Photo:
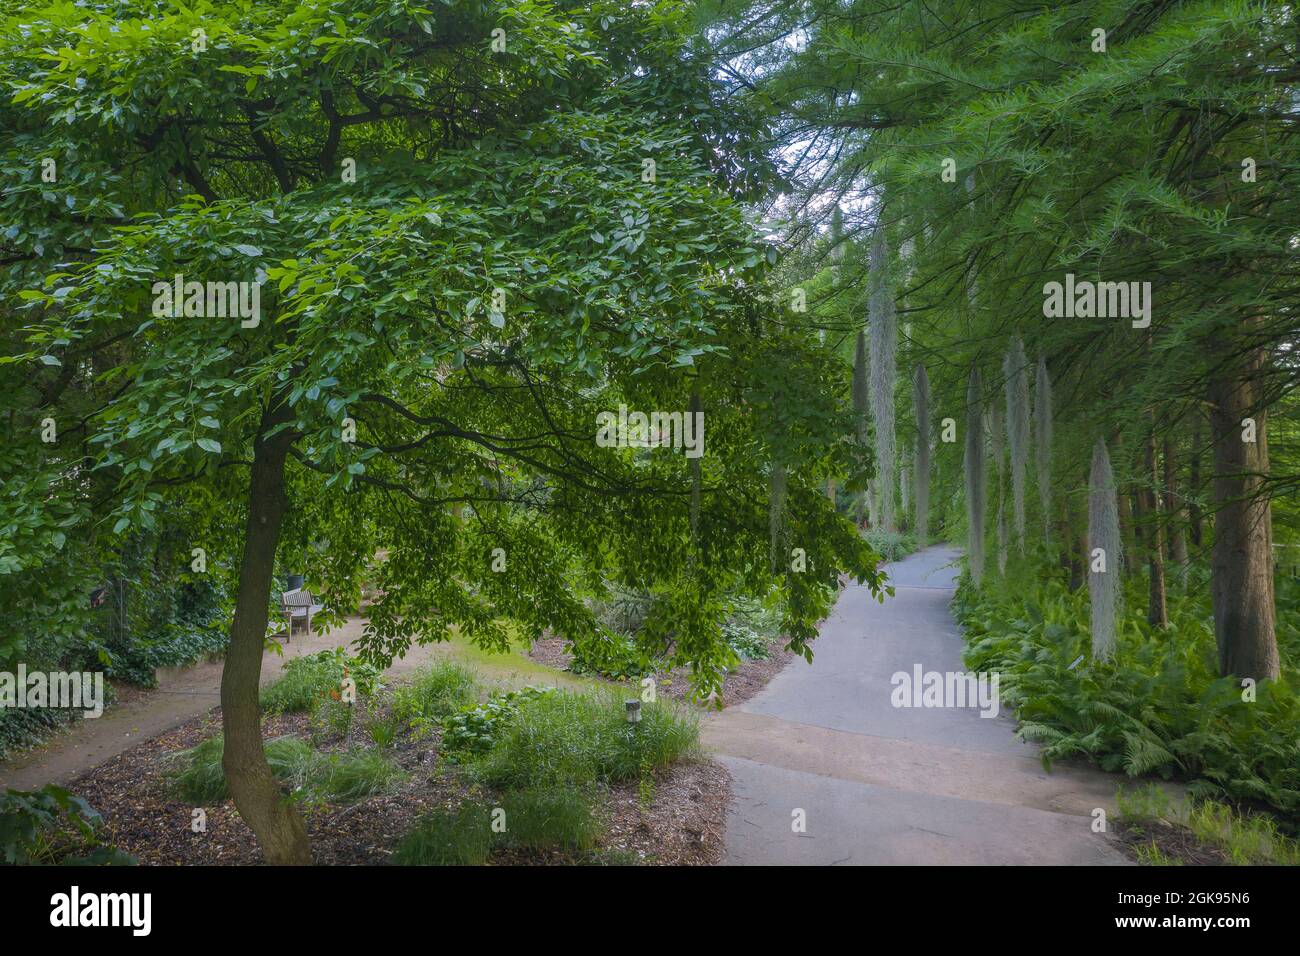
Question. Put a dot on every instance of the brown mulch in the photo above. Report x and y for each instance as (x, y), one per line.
(681, 823)
(737, 687)
(1175, 842)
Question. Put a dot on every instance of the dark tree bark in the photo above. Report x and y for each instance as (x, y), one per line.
(1072, 532)
(1131, 525)
(1176, 514)
(1073, 557)
(1152, 537)
(266, 809)
(1194, 478)
(1242, 558)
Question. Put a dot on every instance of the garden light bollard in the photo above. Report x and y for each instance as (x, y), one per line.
(633, 711)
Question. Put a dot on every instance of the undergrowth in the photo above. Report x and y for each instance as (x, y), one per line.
(1158, 707)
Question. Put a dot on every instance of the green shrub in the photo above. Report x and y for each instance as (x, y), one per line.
(891, 545)
(561, 817)
(331, 719)
(475, 729)
(24, 727)
(748, 627)
(624, 610)
(748, 645)
(447, 838)
(610, 654)
(307, 679)
(436, 692)
(51, 825)
(573, 739)
(763, 618)
(175, 617)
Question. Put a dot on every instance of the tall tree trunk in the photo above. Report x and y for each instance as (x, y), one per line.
(1157, 610)
(1103, 546)
(1242, 558)
(1194, 479)
(976, 484)
(1073, 533)
(1176, 513)
(257, 794)
(1075, 554)
(1130, 532)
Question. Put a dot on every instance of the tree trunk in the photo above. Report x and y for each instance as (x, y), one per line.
(1242, 559)
(266, 809)
(1133, 529)
(1074, 542)
(1157, 610)
(1193, 509)
(1177, 515)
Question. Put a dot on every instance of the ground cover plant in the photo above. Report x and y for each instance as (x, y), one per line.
(1157, 706)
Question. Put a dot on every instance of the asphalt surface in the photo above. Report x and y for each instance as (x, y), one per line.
(828, 770)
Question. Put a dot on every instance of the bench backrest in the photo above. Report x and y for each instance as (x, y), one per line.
(298, 597)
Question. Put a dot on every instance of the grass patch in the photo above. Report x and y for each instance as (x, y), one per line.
(462, 837)
(351, 776)
(569, 739)
(382, 731)
(1245, 839)
(437, 691)
(542, 819)
(341, 777)
(549, 817)
(1150, 854)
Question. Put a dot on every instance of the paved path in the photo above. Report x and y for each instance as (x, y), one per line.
(886, 785)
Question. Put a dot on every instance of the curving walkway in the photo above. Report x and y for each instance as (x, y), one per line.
(879, 784)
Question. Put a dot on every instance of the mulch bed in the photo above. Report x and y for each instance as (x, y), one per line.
(681, 824)
(737, 687)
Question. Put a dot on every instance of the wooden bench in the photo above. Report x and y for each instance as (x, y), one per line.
(298, 605)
